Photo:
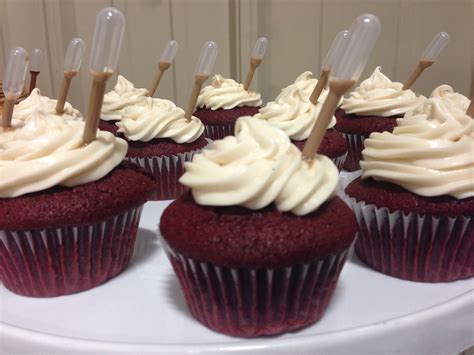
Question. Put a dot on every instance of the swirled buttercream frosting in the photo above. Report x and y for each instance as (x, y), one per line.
(430, 152)
(259, 166)
(226, 94)
(447, 94)
(160, 119)
(292, 111)
(379, 96)
(35, 101)
(122, 96)
(41, 151)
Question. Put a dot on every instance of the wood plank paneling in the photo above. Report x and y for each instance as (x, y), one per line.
(338, 15)
(193, 23)
(419, 21)
(148, 31)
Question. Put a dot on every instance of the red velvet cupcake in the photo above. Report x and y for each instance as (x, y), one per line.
(374, 106)
(415, 202)
(220, 104)
(160, 140)
(263, 242)
(70, 212)
(295, 114)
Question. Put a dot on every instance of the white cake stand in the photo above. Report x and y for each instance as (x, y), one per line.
(142, 310)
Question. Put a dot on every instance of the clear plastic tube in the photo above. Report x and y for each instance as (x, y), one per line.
(352, 56)
(74, 54)
(169, 52)
(260, 48)
(15, 73)
(338, 42)
(35, 60)
(435, 47)
(206, 59)
(107, 40)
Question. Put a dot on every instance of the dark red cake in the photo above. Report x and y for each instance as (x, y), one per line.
(426, 239)
(161, 157)
(220, 123)
(356, 129)
(249, 273)
(65, 240)
(333, 146)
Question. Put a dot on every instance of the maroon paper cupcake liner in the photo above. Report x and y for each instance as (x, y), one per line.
(355, 146)
(167, 170)
(415, 247)
(216, 132)
(60, 261)
(254, 302)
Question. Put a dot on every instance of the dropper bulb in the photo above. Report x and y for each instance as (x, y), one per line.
(206, 58)
(435, 47)
(74, 54)
(15, 73)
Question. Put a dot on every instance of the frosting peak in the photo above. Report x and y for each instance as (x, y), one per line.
(42, 151)
(429, 153)
(122, 96)
(256, 167)
(292, 111)
(160, 119)
(226, 94)
(379, 96)
(447, 94)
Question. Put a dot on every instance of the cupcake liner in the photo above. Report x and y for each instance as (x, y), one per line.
(167, 170)
(415, 247)
(216, 132)
(355, 145)
(59, 261)
(339, 161)
(254, 302)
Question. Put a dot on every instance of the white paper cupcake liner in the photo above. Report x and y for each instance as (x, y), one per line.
(59, 261)
(415, 247)
(339, 161)
(167, 170)
(216, 132)
(254, 302)
(355, 145)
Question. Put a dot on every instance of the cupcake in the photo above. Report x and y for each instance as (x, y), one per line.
(220, 104)
(415, 201)
(264, 239)
(447, 94)
(372, 107)
(295, 114)
(70, 211)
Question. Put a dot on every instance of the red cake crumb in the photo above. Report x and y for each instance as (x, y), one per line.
(333, 144)
(126, 187)
(363, 125)
(239, 237)
(221, 116)
(395, 198)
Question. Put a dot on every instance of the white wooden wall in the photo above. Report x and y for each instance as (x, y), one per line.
(300, 32)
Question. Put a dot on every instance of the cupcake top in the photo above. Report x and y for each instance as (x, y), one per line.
(122, 96)
(226, 94)
(379, 96)
(447, 94)
(429, 153)
(259, 166)
(160, 119)
(35, 101)
(42, 150)
(292, 111)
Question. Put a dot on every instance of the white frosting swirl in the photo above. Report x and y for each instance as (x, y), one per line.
(447, 94)
(122, 96)
(226, 94)
(161, 119)
(379, 96)
(430, 153)
(292, 111)
(42, 151)
(256, 167)
(35, 101)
